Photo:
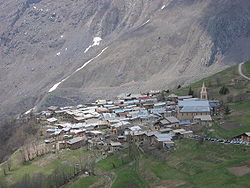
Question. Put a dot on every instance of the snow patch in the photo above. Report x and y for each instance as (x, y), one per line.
(57, 84)
(96, 42)
(163, 7)
(145, 23)
(58, 53)
(30, 110)
(34, 7)
(62, 36)
(87, 49)
(84, 65)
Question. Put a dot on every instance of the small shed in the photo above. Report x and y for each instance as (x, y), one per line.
(115, 146)
(164, 140)
(243, 137)
(52, 120)
(173, 121)
(76, 142)
(203, 119)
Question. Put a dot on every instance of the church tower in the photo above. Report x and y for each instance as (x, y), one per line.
(204, 92)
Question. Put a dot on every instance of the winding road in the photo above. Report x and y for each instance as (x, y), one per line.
(241, 72)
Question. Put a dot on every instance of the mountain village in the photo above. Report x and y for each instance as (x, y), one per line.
(111, 125)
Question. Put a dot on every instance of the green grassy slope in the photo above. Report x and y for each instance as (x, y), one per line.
(191, 164)
(215, 82)
(44, 165)
(241, 121)
(82, 182)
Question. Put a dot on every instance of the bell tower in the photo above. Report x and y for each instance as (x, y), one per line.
(203, 94)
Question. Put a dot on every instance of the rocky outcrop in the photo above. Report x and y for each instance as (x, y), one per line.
(151, 45)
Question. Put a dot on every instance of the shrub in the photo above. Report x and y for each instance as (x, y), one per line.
(224, 90)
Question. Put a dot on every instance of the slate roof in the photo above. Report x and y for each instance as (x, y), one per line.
(164, 122)
(195, 109)
(135, 128)
(115, 144)
(185, 97)
(164, 137)
(247, 133)
(172, 96)
(214, 103)
(172, 119)
(160, 104)
(194, 103)
(151, 133)
(51, 120)
(158, 110)
(75, 140)
(109, 116)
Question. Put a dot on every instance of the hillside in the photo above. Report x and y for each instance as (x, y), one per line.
(238, 99)
(230, 77)
(192, 163)
(151, 45)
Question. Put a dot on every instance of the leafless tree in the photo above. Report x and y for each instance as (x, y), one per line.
(9, 164)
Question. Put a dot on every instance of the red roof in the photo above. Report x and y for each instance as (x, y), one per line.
(144, 98)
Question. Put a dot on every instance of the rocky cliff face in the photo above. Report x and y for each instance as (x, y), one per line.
(150, 45)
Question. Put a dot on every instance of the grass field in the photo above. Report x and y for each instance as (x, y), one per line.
(82, 182)
(204, 165)
(241, 108)
(45, 165)
(190, 164)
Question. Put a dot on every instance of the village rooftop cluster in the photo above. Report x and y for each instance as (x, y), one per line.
(113, 124)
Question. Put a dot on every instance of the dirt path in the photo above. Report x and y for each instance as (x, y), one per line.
(241, 72)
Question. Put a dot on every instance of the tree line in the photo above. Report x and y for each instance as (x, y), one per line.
(14, 133)
(61, 175)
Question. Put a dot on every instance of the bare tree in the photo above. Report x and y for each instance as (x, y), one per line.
(4, 171)
(9, 164)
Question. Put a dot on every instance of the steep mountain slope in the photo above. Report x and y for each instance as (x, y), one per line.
(148, 45)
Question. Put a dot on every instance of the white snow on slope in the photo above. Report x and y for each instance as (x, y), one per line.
(84, 65)
(58, 53)
(30, 110)
(163, 7)
(145, 22)
(57, 84)
(96, 42)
